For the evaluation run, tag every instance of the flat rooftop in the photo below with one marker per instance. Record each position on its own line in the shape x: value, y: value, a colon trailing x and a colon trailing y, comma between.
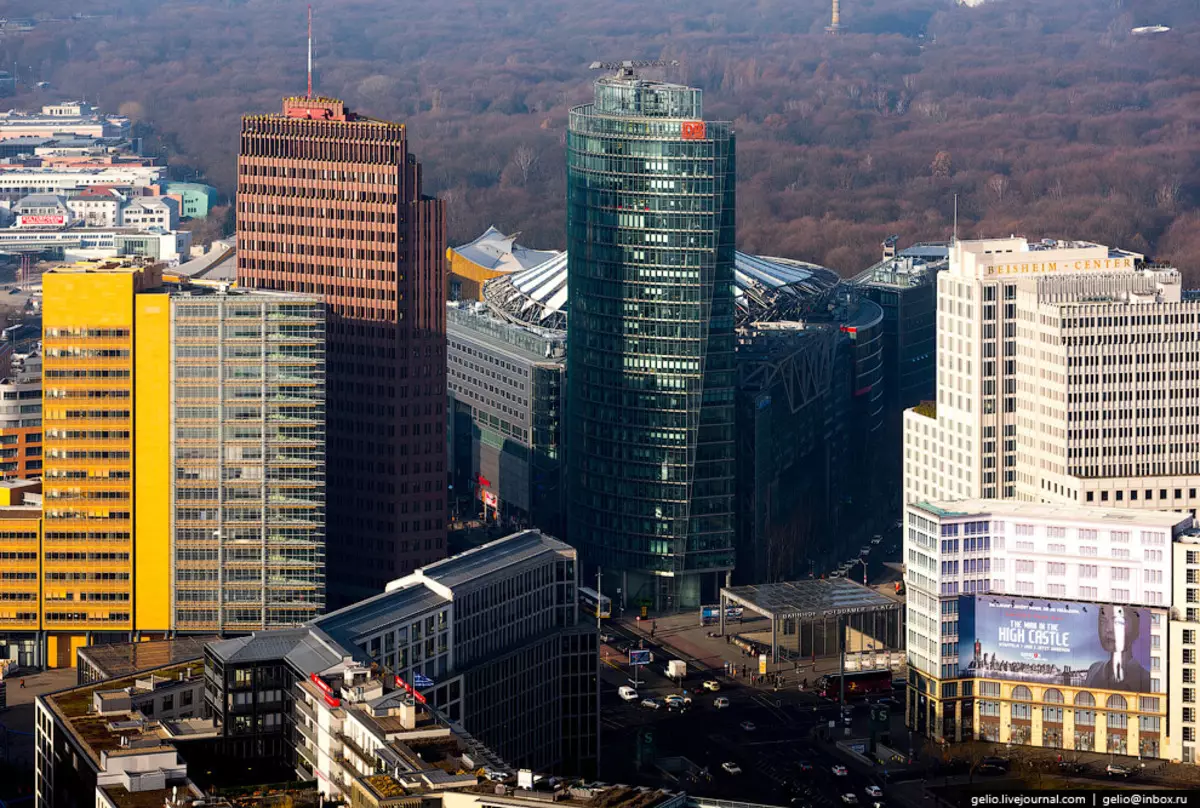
x: 582, y: 795
x: 96, y: 734
x: 127, y: 658
x: 1064, y: 513
x: 492, y: 557
x: 154, y: 798
x: 816, y: 598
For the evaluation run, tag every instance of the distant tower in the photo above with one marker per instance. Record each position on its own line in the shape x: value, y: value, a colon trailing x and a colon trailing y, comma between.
x: 835, y: 24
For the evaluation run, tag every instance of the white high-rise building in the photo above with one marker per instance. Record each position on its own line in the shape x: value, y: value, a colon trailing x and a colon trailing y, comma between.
x: 1067, y: 372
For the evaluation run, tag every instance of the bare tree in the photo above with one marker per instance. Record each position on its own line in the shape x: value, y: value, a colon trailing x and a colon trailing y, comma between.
x: 1167, y: 195
x: 998, y: 185
x: 525, y: 158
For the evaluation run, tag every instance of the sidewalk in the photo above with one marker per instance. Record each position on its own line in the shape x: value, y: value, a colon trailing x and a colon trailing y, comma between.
x: 18, y: 720
x: 684, y: 634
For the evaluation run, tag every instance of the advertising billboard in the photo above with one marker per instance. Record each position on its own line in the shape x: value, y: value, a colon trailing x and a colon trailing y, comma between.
x: 41, y: 221
x: 1048, y: 642
x: 639, y: 657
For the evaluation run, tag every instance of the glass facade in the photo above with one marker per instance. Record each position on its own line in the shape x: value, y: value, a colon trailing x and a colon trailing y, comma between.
x: 248, y: 437
x: 650, y: 381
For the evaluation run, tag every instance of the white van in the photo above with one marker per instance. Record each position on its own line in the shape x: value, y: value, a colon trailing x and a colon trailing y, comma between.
x: 627, y: 693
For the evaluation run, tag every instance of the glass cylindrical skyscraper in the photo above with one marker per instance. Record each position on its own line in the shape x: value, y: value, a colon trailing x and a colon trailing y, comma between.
x: 650, y: 348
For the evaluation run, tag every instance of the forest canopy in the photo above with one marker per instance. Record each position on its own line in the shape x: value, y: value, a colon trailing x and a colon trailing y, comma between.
x: 1046, y: 119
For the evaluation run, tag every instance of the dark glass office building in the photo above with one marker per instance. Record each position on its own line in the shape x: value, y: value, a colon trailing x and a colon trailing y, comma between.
x: 650, y: 356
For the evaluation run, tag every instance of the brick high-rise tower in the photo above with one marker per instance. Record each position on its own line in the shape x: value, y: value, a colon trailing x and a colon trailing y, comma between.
x: 330, y: 203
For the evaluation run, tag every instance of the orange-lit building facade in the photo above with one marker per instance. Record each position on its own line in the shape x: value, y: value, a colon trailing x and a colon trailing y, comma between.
x: 330, y: 203
x: 21, y: 420
x: 183, y: 487
x: 89, y: 377
x: 20, y: 569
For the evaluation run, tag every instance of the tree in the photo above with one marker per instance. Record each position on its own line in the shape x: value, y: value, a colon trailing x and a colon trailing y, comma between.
x: 941, y: 167
x: 998, y: 185
x: 525, y: 158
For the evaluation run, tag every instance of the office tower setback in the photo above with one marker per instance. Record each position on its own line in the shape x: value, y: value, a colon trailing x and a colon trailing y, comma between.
x: 329, y: 203
x: 183, y: 456
x: 650, y: 380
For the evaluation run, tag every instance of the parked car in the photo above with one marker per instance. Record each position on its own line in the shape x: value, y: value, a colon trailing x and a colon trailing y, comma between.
x: 627, y: 693
x: 1122, y: 772
x: 731, y: 767
x: 720, y: 702
x: 713, y: 685
x: 874, y: 791
x: 653, y: 704
x: 849, y: 799
x: 748, y: 726
x: 876, y: 539
x: 865, y: 550
x: 839, y: 771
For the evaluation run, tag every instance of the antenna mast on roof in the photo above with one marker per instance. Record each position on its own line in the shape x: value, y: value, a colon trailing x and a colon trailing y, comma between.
x: 954, y: 236
x: 626, y: 68
x: 309, y: 51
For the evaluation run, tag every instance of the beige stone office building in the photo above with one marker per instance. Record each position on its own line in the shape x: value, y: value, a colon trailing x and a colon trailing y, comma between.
x: 1067, y: 372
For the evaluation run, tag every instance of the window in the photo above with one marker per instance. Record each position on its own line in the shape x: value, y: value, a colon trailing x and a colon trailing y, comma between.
x: 1056, y: 568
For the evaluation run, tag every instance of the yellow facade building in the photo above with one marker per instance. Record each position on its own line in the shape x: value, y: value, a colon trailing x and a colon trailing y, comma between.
x: 20, y: 557
x: 90, y: 321
x: 183, y: 486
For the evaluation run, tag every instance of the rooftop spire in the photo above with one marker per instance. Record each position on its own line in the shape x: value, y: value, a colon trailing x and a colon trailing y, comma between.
x: 309, y: 95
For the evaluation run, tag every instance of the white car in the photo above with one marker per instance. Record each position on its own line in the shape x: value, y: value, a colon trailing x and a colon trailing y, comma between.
x: 627, y: 693
x: 748, y: 726
x: 839, y: 771
x: 653, y: 704
x: 713, y: 685
x: 677, y: 702
x: 731, y: 767
x: 849, y: 799
x: 874, y: 791
x: 720, y: 702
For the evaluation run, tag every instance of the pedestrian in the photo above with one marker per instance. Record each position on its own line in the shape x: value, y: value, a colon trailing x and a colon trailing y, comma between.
x: 22, y: 683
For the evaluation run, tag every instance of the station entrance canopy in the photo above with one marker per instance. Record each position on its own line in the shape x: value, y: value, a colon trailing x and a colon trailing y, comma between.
x: 821, y: 617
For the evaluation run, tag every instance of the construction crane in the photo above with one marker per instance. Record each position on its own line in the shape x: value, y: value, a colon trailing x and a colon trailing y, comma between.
x: 626, y: 69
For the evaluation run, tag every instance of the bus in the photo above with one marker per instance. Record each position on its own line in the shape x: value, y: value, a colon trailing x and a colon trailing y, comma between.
x: 591, y: 601
x: 859, y: 684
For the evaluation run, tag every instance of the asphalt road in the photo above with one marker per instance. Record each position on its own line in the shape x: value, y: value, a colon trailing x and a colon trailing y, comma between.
x: 788, y: 729
x: 770, y: 755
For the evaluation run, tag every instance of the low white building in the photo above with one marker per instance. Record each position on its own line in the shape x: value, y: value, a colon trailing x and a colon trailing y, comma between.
x: 99, y: 207
x: 1011, y: 615
x: 150, y: 212
x: 16, y: 182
